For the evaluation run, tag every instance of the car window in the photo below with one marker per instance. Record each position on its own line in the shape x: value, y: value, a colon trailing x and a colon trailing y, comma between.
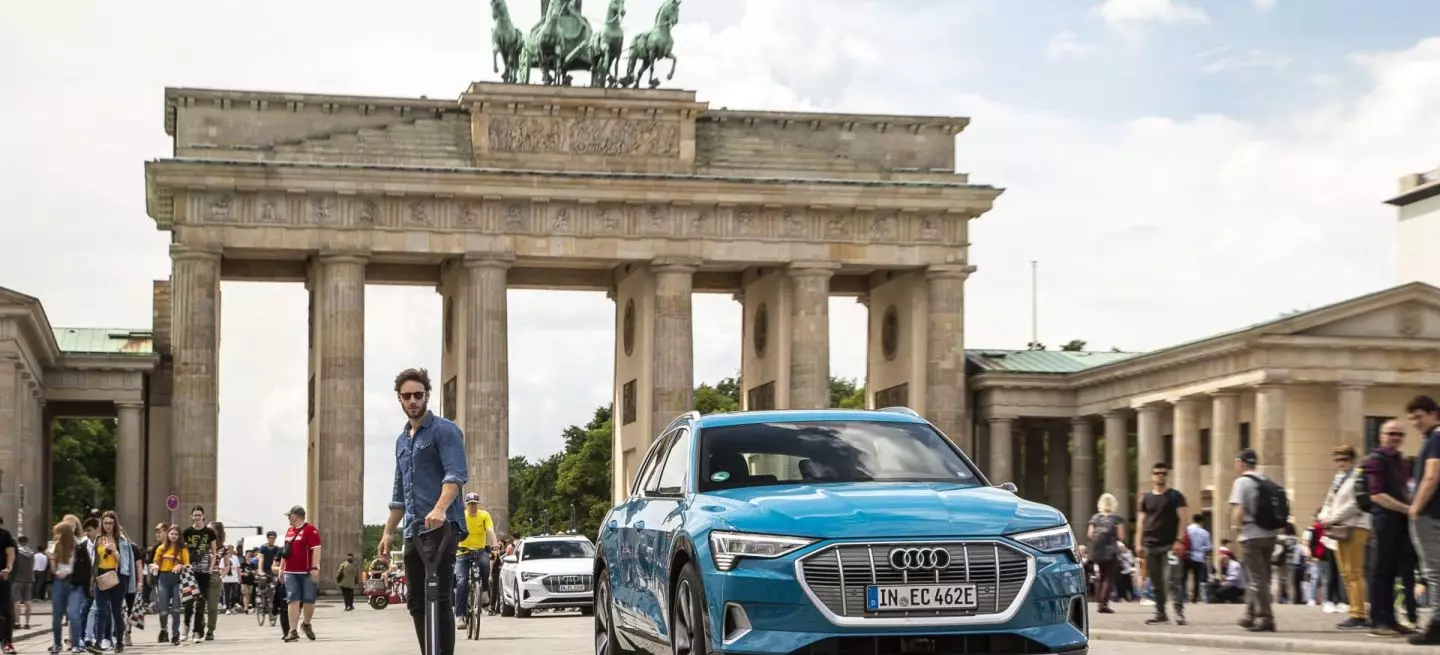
x: 652, y: 480
x: 558, y: 549
x: 822, y: 452
x: 677, y: 465
x: 651, y: 463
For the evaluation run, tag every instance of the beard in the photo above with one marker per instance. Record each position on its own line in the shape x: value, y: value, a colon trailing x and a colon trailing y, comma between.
x: 417, y: 412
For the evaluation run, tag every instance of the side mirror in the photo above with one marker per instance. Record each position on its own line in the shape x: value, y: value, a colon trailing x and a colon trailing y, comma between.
x: 1009, y: 486
x: 509, y: 559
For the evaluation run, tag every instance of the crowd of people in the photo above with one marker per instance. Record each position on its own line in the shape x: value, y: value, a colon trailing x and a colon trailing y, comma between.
x: 1378, y: 527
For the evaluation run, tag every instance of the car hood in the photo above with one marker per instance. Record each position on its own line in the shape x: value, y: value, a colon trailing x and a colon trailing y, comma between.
x: 877, y: 509
x: 563, y: 566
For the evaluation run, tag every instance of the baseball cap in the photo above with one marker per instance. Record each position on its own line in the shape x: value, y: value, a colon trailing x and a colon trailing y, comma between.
x: 472, y: 498
x: 1248, y: 456
x: 270, y: 533
x: 296, y: 511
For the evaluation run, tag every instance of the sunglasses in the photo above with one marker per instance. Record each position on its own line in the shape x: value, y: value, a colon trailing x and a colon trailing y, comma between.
x: 412, y: 395
x: 1394, y: 434
x: 1160, y: 473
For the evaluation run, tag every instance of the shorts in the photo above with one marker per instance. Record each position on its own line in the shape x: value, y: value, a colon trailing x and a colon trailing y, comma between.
x: 23, y: 592
x: 301, y: 587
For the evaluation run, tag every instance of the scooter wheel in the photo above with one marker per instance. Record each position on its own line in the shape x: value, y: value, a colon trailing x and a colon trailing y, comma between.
x: 379, y: 602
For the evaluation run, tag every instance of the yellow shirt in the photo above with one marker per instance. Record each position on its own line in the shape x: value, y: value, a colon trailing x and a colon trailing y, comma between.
x: 167, y: 559
x: 109, y: 558
x: 479, y: 527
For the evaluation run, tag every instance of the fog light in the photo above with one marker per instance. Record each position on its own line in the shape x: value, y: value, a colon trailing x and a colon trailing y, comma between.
x: 737, y: 624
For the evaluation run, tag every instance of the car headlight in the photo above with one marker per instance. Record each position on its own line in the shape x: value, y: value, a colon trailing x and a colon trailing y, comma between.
x: 730, y: 546
x: 1050, y: 540
x: 527, y: 576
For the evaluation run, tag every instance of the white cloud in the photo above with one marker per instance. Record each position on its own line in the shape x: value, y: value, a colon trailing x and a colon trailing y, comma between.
x: 1129, y: 16
x: 1227, y: 59
x: 1149, y: 231
x: 1264, y: 5
x: 1067, y: 45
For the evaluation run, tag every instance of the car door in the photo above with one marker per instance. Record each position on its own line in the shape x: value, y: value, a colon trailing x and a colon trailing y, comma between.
x: 657, y: 524
x: 627, y: 581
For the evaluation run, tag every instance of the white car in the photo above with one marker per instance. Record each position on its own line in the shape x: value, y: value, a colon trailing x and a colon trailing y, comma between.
x: 548, y: 572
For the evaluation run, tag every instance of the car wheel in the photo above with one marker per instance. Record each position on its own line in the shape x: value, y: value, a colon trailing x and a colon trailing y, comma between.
x: 605, y: 643
x: 687, y: 615
x: 520, y: 612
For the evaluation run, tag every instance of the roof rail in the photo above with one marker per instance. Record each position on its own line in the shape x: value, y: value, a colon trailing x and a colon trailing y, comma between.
x: 900, y: 410
x: 688, y: 417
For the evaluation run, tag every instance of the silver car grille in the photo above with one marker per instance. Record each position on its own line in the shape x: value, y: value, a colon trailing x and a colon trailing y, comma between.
x: 837, y: 577
x: 552, y: 583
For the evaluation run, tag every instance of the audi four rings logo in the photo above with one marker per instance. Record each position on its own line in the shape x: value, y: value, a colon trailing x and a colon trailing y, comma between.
x: 919, y: 559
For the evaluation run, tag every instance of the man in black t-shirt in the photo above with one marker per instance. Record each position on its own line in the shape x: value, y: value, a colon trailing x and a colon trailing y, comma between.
x: 7, y: 606
x: 1424, y: 415
x: 1159, y: 513
x: 269, y: 553
x: 203, y: 544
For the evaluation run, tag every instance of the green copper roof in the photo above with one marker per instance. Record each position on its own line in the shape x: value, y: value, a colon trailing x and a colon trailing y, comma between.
x: 1040, y: 361
x: 105, y: 341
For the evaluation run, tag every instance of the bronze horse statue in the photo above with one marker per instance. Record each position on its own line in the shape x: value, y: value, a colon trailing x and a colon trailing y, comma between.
x: 506, y: 42
x: 653, y: 45
x: 606, y: 47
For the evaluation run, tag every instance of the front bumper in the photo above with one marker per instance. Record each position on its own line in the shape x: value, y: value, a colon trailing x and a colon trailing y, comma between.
x: 761, y: 607
x: 536, y: 594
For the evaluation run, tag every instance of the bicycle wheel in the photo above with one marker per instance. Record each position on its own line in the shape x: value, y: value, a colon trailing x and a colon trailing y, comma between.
x: 477, y: 595
x: 260, y: 612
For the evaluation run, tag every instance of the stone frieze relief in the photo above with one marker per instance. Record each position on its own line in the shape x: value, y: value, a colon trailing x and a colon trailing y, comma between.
x: 605, y: 137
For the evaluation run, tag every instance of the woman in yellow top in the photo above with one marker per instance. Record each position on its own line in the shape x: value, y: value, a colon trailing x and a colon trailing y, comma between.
x: 114, y: 570
x: 170, y: 557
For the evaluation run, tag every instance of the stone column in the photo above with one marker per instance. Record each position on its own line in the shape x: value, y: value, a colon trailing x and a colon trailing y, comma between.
x: 1002, y: 439
x: 1269, y: 431
x: 10, y: 387
x: 487, y: 383
x: 1034, y: 469
x: 339, y: 281
x: 1224, y: 445
x: 809, y: 335
x: 1350, y: 414
x: 1151, y: 447
x: 673, y: 369
x: 945, y: 389
x: 1082, y: 481
x: 1117, y: 460
x: 1058, y: 469
x: 195, y: 339
x: 130, y: 465
x: 1187, y: 452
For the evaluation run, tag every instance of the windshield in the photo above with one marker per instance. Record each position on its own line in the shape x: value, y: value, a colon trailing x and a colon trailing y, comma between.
x: 759, y: 454
x: 567, y: 549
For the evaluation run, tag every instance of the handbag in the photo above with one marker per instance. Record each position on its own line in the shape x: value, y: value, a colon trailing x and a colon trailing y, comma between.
x: 107, y: 580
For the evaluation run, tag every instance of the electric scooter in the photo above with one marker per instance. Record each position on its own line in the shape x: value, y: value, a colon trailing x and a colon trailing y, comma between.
x: 432, y: 546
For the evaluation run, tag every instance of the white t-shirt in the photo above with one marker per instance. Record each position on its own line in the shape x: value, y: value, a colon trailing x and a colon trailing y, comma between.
x: 232, y: 573
x: 42, y: 562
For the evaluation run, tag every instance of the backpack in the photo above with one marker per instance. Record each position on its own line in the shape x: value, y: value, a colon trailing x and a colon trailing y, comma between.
x: 1362, y: 490
x: 1272, y: 506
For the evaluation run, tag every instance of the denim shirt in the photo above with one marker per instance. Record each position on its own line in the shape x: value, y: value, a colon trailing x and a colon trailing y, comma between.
x: 127, y: 566
x: 434, y: 457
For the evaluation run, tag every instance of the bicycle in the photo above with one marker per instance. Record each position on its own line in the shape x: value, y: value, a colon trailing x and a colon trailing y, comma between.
x: 479, y: 592
x: 264, y: 598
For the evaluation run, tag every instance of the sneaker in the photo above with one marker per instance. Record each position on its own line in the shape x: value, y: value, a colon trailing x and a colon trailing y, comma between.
x: 210, y: 636
x: 1328, y: 607
x: 1342, y: 607
x: 1158, y: 619
x: 1352, y: 623
x: 195, y: 638
x: 1384, y: 631
x: 309, y: 632
x: 174, y: 640
x: 293, y: 636
x: 1262, y: 626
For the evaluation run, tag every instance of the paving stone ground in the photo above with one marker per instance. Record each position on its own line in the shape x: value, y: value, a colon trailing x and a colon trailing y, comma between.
x: 1300, y: 628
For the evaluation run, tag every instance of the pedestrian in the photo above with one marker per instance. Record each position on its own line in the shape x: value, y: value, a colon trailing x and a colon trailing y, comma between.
x: 72, y: 584
x: 1343, y: 521
x: 1387, y: 477
x: 171, y: 557
x: 214, y: 592
x: 115, y: 569
x: 1424, y: 416
x: 1197, y: 558
x: 300, y: 561
x: 7, y: 607
x: 204, y: 546
x: 347, y: 578
x: 23, y: 578
x: 1159, y: 512
x: 1106, y: 531
x: 474, y: 551
x: 430, y: 469
x: 1253, y: 517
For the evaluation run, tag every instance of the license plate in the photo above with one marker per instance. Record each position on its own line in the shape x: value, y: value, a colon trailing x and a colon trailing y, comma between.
x: 571, y: 588
x: 920, y: 597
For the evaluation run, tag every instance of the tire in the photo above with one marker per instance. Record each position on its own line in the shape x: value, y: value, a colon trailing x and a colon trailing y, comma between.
x: 379, y: 602
x: 605, y: 642
x: 260, y: 614
x: 520, y: 612
x: 477, y: 595
x: 688, y: 634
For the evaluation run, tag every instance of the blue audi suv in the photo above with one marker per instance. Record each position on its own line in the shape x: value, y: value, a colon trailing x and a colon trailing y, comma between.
x: 830, y: 532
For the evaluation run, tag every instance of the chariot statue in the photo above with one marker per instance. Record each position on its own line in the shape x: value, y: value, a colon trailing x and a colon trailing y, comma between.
x: 564, y: 42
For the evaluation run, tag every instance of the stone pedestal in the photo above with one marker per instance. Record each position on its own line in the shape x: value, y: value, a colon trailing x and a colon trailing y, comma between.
x: 1117, y: 461
x: 486, y: 394
x: 1002, y: 445
x: 129, y: 466
x: 1269, y: 431
x: 194, y: 427
x: 1224, y: 446
x: 1187, y: 453
x: 810, y: 335
x: 1082, y: 486
x: 945, y: 390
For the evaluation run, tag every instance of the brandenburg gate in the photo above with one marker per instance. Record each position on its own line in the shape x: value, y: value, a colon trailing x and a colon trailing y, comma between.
x: 648, y: 195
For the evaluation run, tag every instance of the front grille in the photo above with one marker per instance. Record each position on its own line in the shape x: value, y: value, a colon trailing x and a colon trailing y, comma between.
x: 1000, y: 644
x: 838, y: 576
x: 552, y: 583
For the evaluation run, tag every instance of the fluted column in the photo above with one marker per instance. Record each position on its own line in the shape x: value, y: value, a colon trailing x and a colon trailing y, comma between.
x: 1187, y: 451
x: 1034, y: 469
x: 10, y: 386
x: 130, y: 465
x: 1002, y: 445
x: 1151, y: 447
x: 1270, y: 431
x: 487, y: 383
x: 1057, y: 468
x: 1224, y: 446
x: 673, y: 368
x: 945, y: 393
x: 810, y: 335
x: 195, y: 347
x: 339, y: 282
x: 1117, y: 460
x: 1082, y: 476
x: 1350, y: 416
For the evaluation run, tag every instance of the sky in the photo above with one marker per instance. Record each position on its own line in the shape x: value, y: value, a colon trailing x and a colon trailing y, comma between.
x: 1176, y: 168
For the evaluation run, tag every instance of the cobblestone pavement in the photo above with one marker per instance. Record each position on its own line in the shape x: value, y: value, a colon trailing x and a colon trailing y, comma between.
x: 1299, y: 628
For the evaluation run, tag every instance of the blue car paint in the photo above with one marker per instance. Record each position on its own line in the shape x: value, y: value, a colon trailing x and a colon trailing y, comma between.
x: 783, y: 616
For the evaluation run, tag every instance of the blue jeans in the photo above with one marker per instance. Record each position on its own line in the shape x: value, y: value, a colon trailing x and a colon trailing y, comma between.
x: 111, y: 606
x: 90, y: 615
x: 462, y: 577
x: 66, y: 602
x: 169, y: 602
x: 301, y: 588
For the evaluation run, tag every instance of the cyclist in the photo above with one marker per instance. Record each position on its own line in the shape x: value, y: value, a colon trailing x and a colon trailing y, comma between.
x: 474, y: 551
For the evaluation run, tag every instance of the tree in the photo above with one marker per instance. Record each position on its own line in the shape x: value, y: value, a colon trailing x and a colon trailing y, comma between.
x: 723, y: 397
x: 83, y: 476
x: 1073, y: 346
x: 847, y: 393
